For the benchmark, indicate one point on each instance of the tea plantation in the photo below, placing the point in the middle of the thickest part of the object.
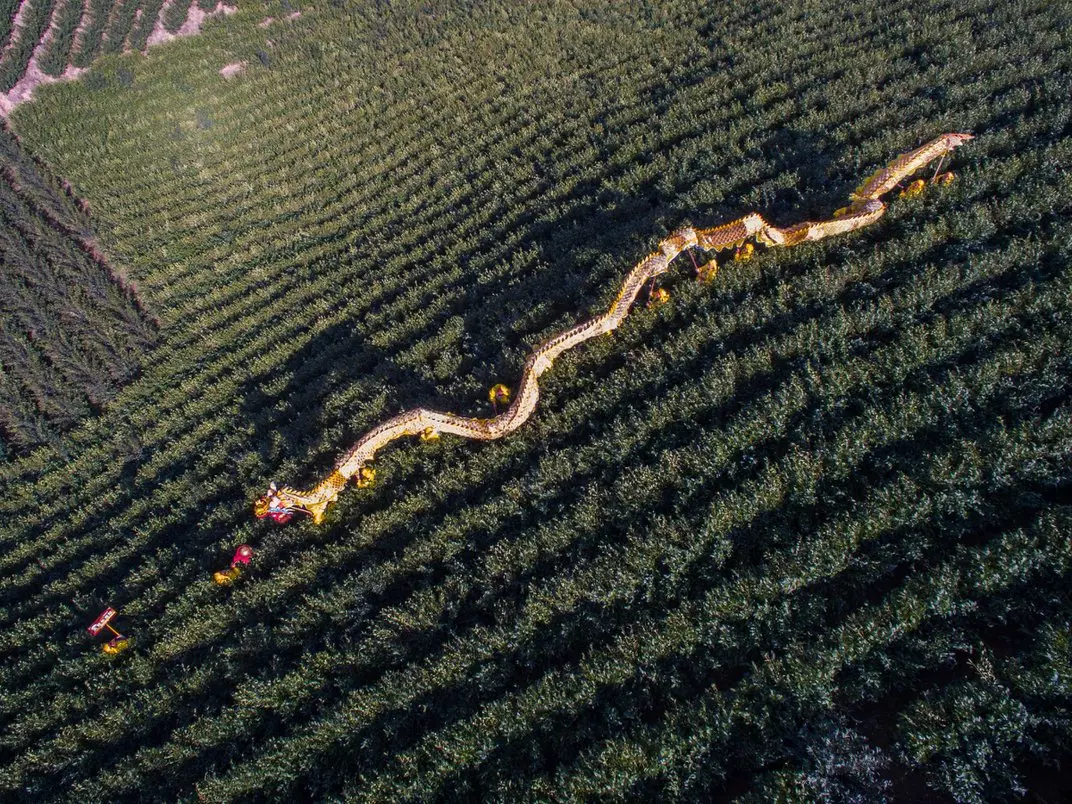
(802, 533)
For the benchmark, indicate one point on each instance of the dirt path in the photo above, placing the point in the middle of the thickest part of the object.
(195, 18)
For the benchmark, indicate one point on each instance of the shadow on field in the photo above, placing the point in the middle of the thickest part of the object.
(292, 414)
(599, 219)
(622, 227)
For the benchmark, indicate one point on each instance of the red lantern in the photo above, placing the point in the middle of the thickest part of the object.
(241, 558)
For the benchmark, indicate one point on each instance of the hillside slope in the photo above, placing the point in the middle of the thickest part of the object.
(803, 530)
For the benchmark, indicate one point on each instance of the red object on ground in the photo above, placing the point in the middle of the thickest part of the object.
(281, 516)
(242, 555)
(100, 622)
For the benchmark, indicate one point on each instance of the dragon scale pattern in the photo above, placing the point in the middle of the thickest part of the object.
(865, 208)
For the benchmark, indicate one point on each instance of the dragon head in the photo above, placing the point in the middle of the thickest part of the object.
(278, 503)
(281, 504)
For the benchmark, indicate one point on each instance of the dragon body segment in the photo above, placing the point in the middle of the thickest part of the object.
(865, 208)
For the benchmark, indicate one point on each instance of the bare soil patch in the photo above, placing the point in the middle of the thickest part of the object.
(233, 69)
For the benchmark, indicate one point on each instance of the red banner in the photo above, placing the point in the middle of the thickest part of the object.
(101, 621)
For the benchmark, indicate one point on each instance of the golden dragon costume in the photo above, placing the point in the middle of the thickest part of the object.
(865, 208)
